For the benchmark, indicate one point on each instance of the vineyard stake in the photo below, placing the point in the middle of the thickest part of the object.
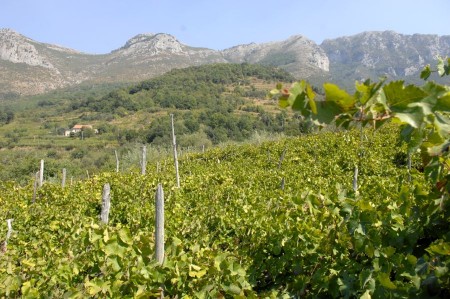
(41, 174)
(175, 156)
(106, 203)
(159, 227)
(8, 234)
(355, 179)
(282, 158)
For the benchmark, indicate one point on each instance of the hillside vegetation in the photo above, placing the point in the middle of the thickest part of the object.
(212, 104)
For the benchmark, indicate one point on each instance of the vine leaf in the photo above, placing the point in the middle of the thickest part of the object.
(339, 97)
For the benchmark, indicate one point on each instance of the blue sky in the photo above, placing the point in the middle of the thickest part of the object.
(100, 26)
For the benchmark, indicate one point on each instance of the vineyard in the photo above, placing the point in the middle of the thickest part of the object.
(342, 213)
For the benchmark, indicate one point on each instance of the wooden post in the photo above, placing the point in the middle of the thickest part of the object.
(117, 161)
(8, 235)
(41, 174)
(282, 183)
(355, 179)
(282, 158)
(175, 155)
(203, 148)
(144, 160)
(159, 226)
(63, 180)
(106, 203)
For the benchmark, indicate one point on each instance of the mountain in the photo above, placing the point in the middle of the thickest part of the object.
(31, 67)
(298, 55)
(372, 54)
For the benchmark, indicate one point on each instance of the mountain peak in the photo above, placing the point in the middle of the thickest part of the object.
(17, 48)
(152, 44)
(140, 38)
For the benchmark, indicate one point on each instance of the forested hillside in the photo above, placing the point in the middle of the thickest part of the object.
(212, 104)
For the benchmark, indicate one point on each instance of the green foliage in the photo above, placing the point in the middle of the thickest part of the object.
(138, 114)
(421, 255)
(231, 231)
(6, 116)
(189, 88)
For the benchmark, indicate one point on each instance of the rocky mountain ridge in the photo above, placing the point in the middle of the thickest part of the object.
(370, 54)
(31, 67)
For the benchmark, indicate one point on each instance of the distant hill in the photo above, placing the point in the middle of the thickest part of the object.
(31, 67)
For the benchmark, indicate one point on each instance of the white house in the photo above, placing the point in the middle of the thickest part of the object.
(77, 129)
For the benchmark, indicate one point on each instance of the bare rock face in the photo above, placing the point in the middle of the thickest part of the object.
(298, 55)
(386, 53)
(152, 44)
(18, 49)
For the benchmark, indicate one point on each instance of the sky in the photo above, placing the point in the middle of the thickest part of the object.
(100, 26)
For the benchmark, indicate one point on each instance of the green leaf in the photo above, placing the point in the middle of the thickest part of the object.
(114, 248)
(232, 289)
(399, 97)
(92, 288)
(113, 262)
(441, 247)
(340, 97)
(125, 236)
(385, 281)
(327, 112)
(283, 101)
(413, 117)
(299, 104)
(426, 72)
(440, 67)
(365, 277)
(443, 103)
(366, 90)
(311, 98)
(197, 274)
